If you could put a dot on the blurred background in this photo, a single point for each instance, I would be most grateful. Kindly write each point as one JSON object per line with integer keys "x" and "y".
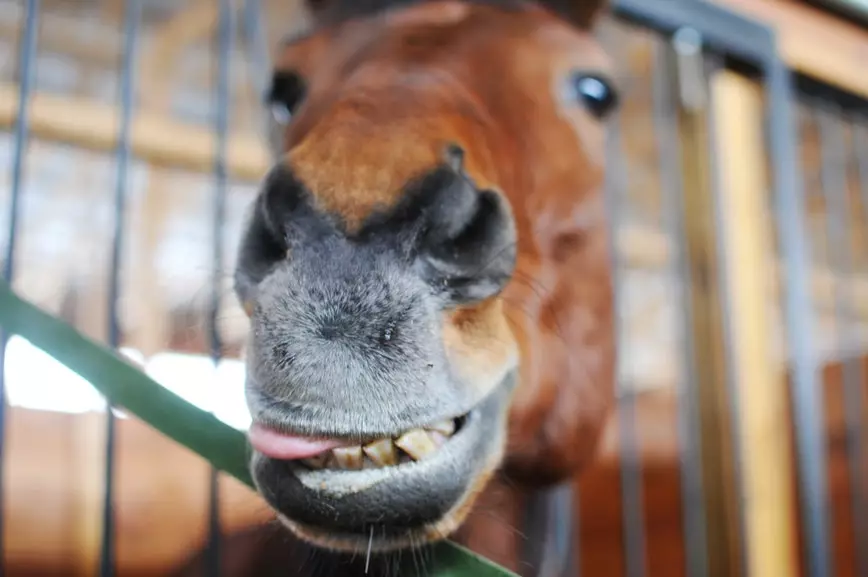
{"x": 714, "y": 344}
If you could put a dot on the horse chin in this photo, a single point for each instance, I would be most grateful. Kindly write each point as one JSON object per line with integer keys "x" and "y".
{"x": 391, "y": 508}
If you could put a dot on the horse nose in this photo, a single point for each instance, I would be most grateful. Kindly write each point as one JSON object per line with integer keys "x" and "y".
{"x": 338, "y": 326}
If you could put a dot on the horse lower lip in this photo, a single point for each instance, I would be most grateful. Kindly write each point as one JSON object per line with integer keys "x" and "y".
{"x": 413, "y": 496}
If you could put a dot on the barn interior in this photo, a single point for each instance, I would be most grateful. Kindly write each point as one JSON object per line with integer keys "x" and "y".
{"x": 53, "y": 473}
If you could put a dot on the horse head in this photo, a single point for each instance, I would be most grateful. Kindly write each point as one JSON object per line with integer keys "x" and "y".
{"x": 426, "y": 266}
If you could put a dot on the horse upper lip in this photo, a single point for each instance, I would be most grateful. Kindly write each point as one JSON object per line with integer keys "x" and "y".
{"x": 362, "y": 425}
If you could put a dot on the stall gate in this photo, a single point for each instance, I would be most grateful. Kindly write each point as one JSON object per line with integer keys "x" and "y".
{"x": 739, "y": 195}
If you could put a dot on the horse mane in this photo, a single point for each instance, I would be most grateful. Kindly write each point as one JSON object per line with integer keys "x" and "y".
{"x": 577, "y": 12}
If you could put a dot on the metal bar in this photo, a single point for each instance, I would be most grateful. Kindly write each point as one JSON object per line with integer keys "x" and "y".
{"x": 123, "y": 155}
{"x": 807, "y": 401}
{"x": 259, "y": 63}
{"x": 860, "y": 149}
{"x": 222, "y": 96}
{"x": 573, "y": 562}
{"x": 549, "y": 515}
{"x": 722, "y": 30}
{"x": 632, "y": 508}
{"x": 692, "y": 491}
{"x": 833, "y": 174}
{"x": 257, "y": 42}
{"x": 700, "y": 239}
{"x": 855, "y": 400}
{"x": 26, "y": 73}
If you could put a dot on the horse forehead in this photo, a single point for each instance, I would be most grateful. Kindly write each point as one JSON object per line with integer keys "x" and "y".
{"x": 565, "y": 47}
{"x": 355, "y": 162}
{"x": 443, "y": 27}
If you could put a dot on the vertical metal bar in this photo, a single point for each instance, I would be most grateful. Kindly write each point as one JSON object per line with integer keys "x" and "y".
{"x": 26, "y": 74}
{"x": 223, "y": 103}
{"x": 833, "y": 174}
{"x": 860, "y": 150}
{"x": 123, "y": 154}
{"x": 807, "y": 400}
{"x": 632, "y": 499}
{"x": 259, "y": 64}
{"x": 706, "y": 331}
{"x": 549, "y": 515}
{"x": 574, "y": 554}
{"x": 856, "y": 402}
{"x": 692, "y": 491}
{"x": 257, "y": 42}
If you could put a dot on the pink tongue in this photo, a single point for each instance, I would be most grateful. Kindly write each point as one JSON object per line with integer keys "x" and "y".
{"x": 286, "y": 447}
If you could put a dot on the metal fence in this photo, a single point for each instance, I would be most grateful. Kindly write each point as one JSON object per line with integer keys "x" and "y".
{"x": 836, "y": 184}
{"x": 674, "y": 234}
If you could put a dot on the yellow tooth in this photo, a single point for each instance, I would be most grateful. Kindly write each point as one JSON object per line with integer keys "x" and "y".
{"x": 417, "y": 444}
{"x": 446, "y": 427}
{"x": 348, "y": 457}
{"x": 318, "y": 462}
{"x": 382, "y": 453}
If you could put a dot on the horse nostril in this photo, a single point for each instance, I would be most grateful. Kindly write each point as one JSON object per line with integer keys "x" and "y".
{"x": 330, "y": 331}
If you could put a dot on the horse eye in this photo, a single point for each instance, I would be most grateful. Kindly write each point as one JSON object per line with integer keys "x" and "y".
{"x": 594, "y": 92}
{"x": 285, "y": 94}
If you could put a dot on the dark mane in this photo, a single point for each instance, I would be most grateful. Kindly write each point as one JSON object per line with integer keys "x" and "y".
{"x": 335, "y": 11}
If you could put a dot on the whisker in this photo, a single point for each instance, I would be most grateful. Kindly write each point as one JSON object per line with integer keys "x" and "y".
{"x": 368, "y": 556}
{"x": 510, "y": 311}
{"x": 537, "y": 287}
{"x": 492, "y": 513}
{"x": 413, "y": 553}
{"x": 531, "y": 282}
{"x": 557, "y": 329}
{"x": 398, "y": 556}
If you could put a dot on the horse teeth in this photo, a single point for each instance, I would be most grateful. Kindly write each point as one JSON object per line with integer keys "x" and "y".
{"x": 382, "y": 453}
{"x": 417, "y": 444}
{"x": 317, "y": 462}
{"x": 348, "y": 457}
{"x": 446, "y": 427}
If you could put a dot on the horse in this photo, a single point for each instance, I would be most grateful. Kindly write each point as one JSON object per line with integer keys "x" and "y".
{"x": 426, "y": 271}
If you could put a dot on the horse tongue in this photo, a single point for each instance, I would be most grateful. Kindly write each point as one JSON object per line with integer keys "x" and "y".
{"x": 287, "y": 447}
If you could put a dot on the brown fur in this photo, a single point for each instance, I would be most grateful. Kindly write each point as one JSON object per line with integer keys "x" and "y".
{"x": 361, "y": 136}
{"x": 479, "y": 342}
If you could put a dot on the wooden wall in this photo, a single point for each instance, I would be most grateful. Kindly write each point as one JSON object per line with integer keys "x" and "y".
{"x": 52, "y": 478}
{"x": 602, "y": 524}
{"x": 53, "y": 488}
